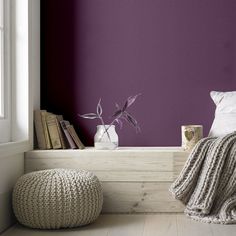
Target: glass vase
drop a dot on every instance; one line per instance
(106, 137)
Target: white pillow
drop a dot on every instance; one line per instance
(225, 114)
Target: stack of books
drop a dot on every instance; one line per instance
(53, 132)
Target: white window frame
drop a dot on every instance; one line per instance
(25, 75)
(5, 120)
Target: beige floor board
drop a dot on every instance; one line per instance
(125, 225)
(134, 225)
(223, 230)
(160, 225)
(98, 228)
(186, 227)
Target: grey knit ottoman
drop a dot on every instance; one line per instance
(57, 198)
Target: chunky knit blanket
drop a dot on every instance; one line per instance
(207, 183)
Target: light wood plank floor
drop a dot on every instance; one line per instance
(135, 225)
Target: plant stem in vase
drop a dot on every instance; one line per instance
(106, 137)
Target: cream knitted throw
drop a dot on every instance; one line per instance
(207, 183)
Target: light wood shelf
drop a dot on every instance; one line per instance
(134, 179)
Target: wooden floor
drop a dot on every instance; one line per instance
(135, 225)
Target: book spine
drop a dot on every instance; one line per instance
(61, 133)
(39, 130)
(75, 137)
(45, 129)
(53, 131)
(69, 138)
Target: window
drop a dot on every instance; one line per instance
(17, 71)
(1, 62)
(4, 71)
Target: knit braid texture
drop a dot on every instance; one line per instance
(207, 183)
(57, 198)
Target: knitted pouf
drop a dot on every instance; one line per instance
(57, 198)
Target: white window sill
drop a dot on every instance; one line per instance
(11, 148)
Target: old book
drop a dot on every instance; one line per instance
(44, 115)
(39, 130)
(52, 125)
(75, 137)
(63, 138)
(64, 124)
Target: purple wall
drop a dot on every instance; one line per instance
(173, 52)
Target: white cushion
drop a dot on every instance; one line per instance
(225, 114)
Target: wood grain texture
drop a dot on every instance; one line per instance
(134, 225)
(130, 207)
(125, 225)
(131, 163)
(134, 180)
(223, 230)
(98, 228)
(116, 160)
(134, 176)
(186, 225)
(158, 225)
(178, 162)
(139, 197)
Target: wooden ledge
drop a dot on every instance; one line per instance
(52, 152)
(134, 179)
(128, 159)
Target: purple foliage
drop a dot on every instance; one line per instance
(121, 114)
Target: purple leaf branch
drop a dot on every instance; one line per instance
(119, 115)
(99, 114)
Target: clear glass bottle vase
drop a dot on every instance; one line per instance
(106, 137)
